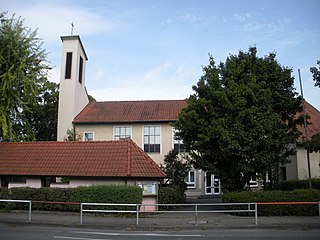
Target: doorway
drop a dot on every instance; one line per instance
(212, 184)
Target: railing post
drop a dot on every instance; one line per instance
(196, 214)
(80, 213)
(30, 207)
(256, 213)
(319, 210)
(138, 205)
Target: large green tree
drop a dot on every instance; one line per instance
(241, 119)
(23, 76)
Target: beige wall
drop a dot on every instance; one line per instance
(106, 132)
(303, 164)
(298, 167)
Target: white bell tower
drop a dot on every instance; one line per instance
(72, 94)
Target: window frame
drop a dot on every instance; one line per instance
(177, 142)
(88, 132)
(152, 148)
(125, 138)
(191, 184)
(80, 70)
(68, 69)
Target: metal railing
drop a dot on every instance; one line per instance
(21, 201)
(251, 207)
(139, 209)
(82, 210)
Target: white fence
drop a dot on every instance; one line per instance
(139, 208)
(21, 201)
(195, 209)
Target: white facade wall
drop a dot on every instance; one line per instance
(303, 164)
(72, 94)
(30, 182)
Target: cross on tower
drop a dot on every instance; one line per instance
(72, 26)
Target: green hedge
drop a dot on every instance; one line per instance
(299, 184)
(171, 194)
(91, 194)
(298, 195)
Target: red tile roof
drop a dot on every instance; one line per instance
(156, 111)
(314, 120)
(94, 159)
(131, 111)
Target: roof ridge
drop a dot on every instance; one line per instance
(124, 101)
(64, 142)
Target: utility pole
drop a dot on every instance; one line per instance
(305, 131)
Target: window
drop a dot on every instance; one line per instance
(191, 179)
(88, 136)
(80, 69)
(68, 65)
(122, 133)
(151, 139)
(178, 145)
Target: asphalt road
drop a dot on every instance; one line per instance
(33, 232)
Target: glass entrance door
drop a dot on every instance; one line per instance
(212, 184)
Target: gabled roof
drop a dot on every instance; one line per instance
(90, 159)
(314, 120)
(131, 111)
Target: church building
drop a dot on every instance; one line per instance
(147, 123)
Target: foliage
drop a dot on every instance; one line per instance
(241, 118)
(176, 167)
(94, 194)
(23, 74)
(44, 113)
(170, 194)
(316, 74)
(299, 184)
(72, 136)
(299, 195)
(313, 145)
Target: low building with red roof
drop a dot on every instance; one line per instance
(40, 164)
(83, 163)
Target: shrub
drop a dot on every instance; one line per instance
(92, 194)
(171, 194)
(299, 184)
(298, 195)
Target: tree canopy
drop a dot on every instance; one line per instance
(313, 145)
(176, 167)
(241, 119)
(316, 74)
(26, 97)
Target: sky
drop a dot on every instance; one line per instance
(153, 50)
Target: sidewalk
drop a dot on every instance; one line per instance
(159, 221)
